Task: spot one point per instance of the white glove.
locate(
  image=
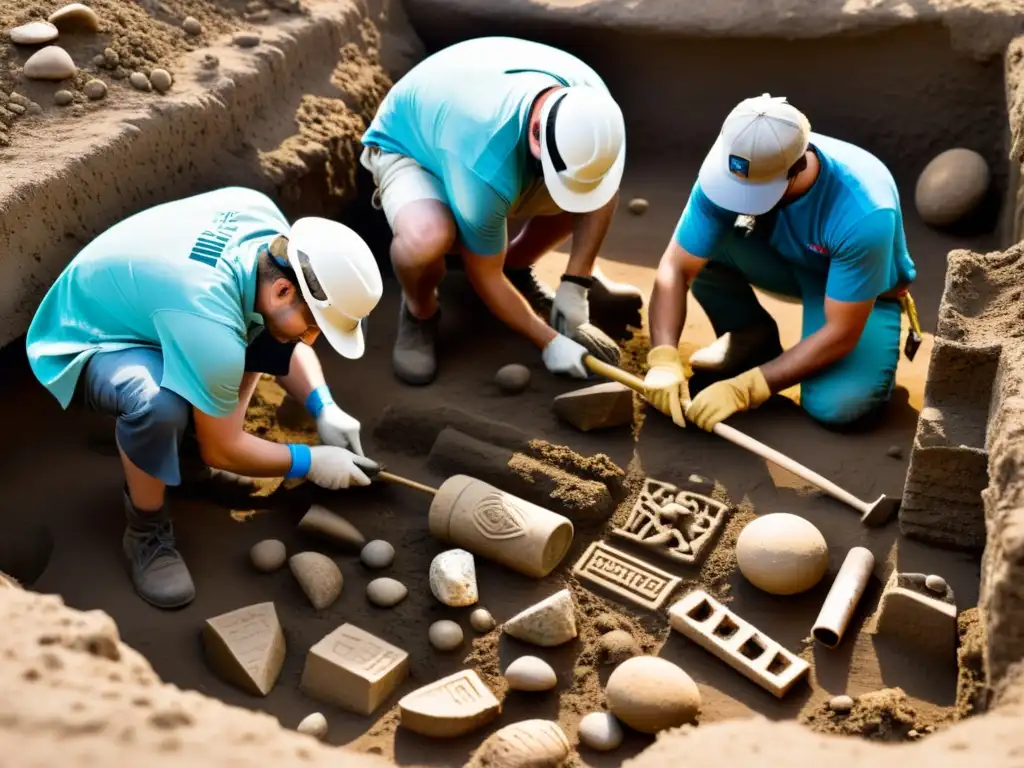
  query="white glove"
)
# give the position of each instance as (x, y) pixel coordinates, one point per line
(338, 428)
(563, 355)
(570, 309)
(334, 468)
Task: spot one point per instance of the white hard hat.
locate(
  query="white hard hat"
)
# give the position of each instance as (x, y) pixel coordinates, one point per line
(761, 139)
(349, 278)
(582, 147)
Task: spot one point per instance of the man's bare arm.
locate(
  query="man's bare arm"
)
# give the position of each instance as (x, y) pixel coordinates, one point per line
(588, 234)
(304, 373)
(667, 311)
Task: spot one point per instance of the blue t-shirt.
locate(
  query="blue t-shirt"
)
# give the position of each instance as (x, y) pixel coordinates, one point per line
(848, 227)
(462, 112)
(180, 276)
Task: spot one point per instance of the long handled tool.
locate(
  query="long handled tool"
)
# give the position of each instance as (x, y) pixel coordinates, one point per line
(874, 514)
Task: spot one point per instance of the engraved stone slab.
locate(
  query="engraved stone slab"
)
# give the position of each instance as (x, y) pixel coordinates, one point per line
(737, 642)
(353, 669)
(678, 524)
(246, 647)
(550, 622)
(449, 707)
(626, 576)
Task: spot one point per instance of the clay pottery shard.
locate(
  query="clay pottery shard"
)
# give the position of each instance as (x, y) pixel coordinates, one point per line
(50, 63)
(33, 33)
(453, 578)
(328, 525)
(550, 622)
(449, 707)
(75, 16)
(246, 647)
(319, 577)
(527, 744)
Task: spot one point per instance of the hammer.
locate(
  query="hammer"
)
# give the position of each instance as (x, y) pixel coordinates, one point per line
(875, 514)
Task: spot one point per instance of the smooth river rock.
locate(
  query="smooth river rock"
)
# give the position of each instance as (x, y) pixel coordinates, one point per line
(314, 725)
(140, 82)
(161, 80)
(638, 206)
(386, 592)
(62, 98)
(453, 578)
(246, 39)
(377, 554)
(951, 186)
(512, 379)
(601, 731)
(192, 26)
(75, 17)
(530, 673)
(268, 555)
(96, 90)
(50, 63)
(481, 620)
(33, 33)
(650, 694)
(445, 635)
(841, 704)
(782, 554)
(935, 584)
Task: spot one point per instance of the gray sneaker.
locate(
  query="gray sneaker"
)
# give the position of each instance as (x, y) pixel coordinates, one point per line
(158, 571)
(538, 296)
(414, 357)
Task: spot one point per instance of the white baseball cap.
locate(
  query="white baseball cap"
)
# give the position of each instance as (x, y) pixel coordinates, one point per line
(582, 147)
(761, 139)
(349, 279)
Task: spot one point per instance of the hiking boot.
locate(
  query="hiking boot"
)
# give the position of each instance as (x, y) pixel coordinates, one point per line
(158, 571)
(739, 350)
(414, 357)
(538, 296)
(614, 307)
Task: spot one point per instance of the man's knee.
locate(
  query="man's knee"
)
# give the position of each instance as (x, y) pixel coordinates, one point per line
(843, 403)
(424, 233)
(151, 407)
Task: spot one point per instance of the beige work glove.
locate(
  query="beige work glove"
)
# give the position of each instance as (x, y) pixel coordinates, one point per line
(336, 468)
(665, 385)
(724, 398)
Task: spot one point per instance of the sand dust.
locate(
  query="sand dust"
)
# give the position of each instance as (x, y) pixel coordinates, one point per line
(971, 689)
(572, 491)
(884, 715)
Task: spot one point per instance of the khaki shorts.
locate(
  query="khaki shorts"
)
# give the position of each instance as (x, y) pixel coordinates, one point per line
(400, 180)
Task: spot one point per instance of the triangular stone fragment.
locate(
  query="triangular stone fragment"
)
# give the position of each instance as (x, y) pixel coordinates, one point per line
(601, 406)
(246, 647)
(326, 524)
(449, 707)
(550, 622)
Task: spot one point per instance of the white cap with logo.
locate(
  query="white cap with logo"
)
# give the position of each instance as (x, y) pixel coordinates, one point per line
(582, 147)
(761, 139)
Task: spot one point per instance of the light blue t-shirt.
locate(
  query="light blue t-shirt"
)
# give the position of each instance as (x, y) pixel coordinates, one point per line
(848, 227)
(180, 276)
(462, 113)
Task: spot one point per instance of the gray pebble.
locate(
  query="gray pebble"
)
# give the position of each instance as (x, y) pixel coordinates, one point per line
(258, 17)
(936, 584)
(161, 80)
(19, 109)
(139, 81)
(512, 379)
(894, 452)
(34, 109)
(841, 704)
(913, 734)
(268, 555)
(111, 57)
(192, 26)
(96, 90)
(377, 554)
(63, 98)
(246, 39)
(17, 98)
(99, 60)
(638, 206)
(601, 731)
(481, 620)
(386, 592)
(445, 635)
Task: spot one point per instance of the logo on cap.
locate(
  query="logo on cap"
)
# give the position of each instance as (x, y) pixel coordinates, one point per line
(739, 165)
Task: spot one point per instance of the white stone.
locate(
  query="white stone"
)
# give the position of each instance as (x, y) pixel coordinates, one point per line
(529, 673)
(96, 90)
(481, 620)
(936, 584)
(161, 80)
(841, 703)
(192, 26)
(33, 33)
(50, 63)
(75, 16)
(386, 592)
(314, 725)
(782, 554)
(377, 554)
(601, 731)
(550, 622)
(453, 578)
(445, 635)
(139, 81)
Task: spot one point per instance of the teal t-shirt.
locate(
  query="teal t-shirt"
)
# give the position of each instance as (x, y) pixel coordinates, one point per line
(848, 228)
(180, 276)
(462, 112)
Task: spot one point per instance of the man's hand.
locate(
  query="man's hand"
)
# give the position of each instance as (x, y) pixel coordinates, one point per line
(563, 355)
(724, 398)
(335, 468)
(339, 429)
(571, 309)
(665, 385)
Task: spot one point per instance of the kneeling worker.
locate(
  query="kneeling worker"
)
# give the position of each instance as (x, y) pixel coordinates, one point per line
(827, 230)
(166, 321)
(482, 132)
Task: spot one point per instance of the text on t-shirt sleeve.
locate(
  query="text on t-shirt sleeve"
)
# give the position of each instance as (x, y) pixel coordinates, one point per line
(480, 213)
(862, 265)
(701, 224)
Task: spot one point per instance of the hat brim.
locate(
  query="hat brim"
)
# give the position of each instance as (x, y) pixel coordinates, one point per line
(573, 197)
(348, 344)
(733, 193)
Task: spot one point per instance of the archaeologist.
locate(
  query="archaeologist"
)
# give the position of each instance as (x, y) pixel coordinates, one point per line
(802, 216)
(480, 133)
(166, 320)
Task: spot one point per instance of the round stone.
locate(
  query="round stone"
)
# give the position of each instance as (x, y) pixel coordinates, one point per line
(50, 63)
(481, 620)
(63, 98)
(314, 725)
(112, 57)
(377, 554)
(841, 704)
(617, 646)
(601, 731)
(192, 26)
(246, 39)
(75, 16)
(19, 109)
(530, 673)
(33, 33)
(161, 80)
(139, 81)
(512, 379)
(951, 186)
(269, 554)
(650, 694)
(209, 61)
(96, 90)
(386, 592)
(936, 584)
(638, 206)
(782, 554)
(34, 109)
(894, 452)
(445, 635)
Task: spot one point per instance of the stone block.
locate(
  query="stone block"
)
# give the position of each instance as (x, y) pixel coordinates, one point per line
(246, 647)
(602, 406)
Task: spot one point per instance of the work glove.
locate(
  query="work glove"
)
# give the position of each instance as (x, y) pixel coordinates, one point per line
(724, 398)
(563, 355)
(338, 428)
(665, 385)
(570, 308)
(335, 468)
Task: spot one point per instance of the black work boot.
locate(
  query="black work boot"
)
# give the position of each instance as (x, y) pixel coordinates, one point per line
(538, 296)
(615, 307)
(414, 356)
(158, 571)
